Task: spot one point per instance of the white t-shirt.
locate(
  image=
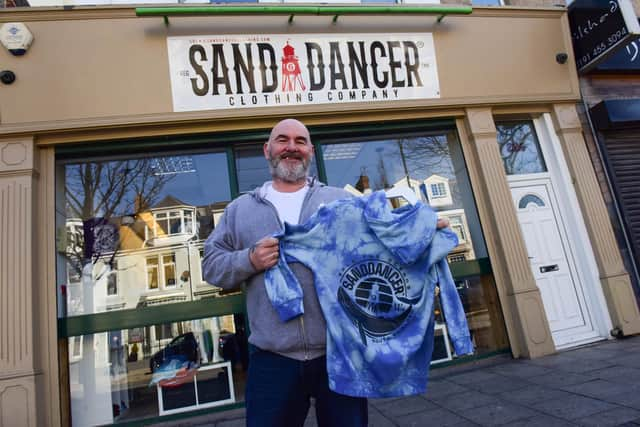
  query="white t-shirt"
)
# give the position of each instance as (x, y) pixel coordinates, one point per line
(288, 205)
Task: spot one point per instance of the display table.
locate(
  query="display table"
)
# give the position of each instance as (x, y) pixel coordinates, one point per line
(211, 385)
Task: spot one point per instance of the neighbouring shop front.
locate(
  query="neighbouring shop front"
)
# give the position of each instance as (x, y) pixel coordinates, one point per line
(127, 167)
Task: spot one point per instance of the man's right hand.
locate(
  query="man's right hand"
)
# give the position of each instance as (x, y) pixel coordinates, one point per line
(264, 254)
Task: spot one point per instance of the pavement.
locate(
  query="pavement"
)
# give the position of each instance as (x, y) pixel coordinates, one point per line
(594, 385)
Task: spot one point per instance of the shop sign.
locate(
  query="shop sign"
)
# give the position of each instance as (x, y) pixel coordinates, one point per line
(240, 71)
(599, 28)
(625, 60)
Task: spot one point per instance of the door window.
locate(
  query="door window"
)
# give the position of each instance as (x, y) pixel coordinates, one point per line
(520, 148)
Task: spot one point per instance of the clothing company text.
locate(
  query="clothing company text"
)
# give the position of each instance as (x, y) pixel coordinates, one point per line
(216, 72)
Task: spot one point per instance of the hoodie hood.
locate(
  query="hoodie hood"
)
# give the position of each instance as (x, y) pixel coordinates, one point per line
(390, 227)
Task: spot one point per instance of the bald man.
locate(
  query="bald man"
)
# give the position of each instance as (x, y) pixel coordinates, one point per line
(287, 359)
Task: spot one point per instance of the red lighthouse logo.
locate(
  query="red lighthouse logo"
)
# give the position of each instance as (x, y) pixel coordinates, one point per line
(291, 75)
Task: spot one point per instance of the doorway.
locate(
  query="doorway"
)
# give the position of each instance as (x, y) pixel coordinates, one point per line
(559, 251)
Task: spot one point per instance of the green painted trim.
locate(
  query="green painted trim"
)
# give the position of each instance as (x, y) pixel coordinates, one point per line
(476, 267)
(322, 172)
(233, 172)
(221, 140)
(181, 416)
(216, 140)
(304, 10)
(320, 134)
(145, 316)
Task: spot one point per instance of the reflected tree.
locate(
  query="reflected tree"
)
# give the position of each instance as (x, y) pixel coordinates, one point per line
(429, 155)
(99, 195)
(513, 141)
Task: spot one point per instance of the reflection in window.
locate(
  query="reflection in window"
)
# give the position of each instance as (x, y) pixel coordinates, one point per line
(430, 165)
(519, 148)
(161, 271)
(134, 374)
(152, 273)
(130, 226)
(438, 190)
(112, 280)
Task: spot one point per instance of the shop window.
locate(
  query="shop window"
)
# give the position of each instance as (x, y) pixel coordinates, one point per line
(520, 148)
(130, 225)
(128, 375)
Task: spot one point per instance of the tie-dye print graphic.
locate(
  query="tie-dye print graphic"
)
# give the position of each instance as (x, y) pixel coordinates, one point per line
(375, 271)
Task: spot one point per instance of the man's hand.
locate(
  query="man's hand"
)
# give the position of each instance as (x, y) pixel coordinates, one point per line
(442, 223)
(264, 254)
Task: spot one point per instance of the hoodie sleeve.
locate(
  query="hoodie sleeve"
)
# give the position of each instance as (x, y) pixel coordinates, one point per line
(283, 289)
(298, 243)
(453, 311)
(225, 263)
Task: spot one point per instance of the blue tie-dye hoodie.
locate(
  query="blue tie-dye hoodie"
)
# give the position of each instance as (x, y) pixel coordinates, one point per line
(376, 270)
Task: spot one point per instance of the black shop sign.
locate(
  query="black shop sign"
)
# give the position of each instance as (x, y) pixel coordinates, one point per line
(599, 28)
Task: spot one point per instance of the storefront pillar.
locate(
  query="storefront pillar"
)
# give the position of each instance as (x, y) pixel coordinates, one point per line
(18, 371)
(616, 283)
(525, 317)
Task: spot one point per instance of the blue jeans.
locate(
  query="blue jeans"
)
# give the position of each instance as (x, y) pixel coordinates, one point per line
(279, 390)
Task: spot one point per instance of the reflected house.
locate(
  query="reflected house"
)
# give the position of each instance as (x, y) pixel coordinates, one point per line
(436, 191)
(158, 261)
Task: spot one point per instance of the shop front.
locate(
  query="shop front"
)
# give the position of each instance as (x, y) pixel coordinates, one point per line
(124, 136)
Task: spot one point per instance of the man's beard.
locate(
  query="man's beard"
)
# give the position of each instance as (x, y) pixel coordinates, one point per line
(289, 173)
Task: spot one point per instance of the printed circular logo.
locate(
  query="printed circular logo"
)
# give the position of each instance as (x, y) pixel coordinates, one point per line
(373, 294)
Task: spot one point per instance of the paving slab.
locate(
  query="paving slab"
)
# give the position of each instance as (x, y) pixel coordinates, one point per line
(443, 388)
(499, 413)
(561, 378)
(619, 374)
(613, 417)
(467, 400)
(630, 400)
(232, 423)
(520, 369)
(579, 366)
(436, 418)
(377, 419)
(475, 377)
(500, 385)
(601, 389)
(573, 407)
(406, 406)
(534, 394)
(542, 421)
(631, 361)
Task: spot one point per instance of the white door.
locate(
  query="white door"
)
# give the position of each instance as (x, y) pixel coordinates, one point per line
(552, 262)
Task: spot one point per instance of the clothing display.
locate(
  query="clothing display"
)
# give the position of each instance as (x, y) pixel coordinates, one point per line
(376, 272)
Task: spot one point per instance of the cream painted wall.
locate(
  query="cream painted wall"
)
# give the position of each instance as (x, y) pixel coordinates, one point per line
(97, 66)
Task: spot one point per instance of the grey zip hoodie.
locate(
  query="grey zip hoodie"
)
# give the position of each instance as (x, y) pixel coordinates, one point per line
(226, 263)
